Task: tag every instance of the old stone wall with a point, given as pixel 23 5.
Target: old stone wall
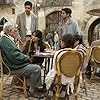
pixel 78 13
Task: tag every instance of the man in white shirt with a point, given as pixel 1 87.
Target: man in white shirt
pixel 27 22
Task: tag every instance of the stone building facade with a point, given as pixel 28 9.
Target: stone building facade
pixel 87 22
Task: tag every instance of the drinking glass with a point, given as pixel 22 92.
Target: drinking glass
pixel 37 50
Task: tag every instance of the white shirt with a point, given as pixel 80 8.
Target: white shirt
pixel 28 24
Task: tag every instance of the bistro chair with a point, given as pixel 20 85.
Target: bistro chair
pixel 68 65
pixel 86 60
pixel 4 78
pixel 88 54
pixel 95 59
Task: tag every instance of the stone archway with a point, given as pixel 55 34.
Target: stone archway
pixel 2 22
pixel 90 27
pixel 52 20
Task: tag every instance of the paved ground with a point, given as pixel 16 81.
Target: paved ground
pixel 93 89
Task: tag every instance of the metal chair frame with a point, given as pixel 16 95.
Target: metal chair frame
pixel 60 71
pixel 95 59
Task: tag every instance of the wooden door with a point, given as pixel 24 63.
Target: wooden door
pixel 52 20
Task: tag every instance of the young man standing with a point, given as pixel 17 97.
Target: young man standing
pixel 27 22
pixel 67 25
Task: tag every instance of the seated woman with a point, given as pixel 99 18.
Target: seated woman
pixel 66 43
pixel 30 47
pixel 78 44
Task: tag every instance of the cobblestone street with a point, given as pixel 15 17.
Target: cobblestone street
pixel 93 90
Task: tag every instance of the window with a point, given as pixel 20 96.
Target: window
pixel 3 2
pixel 54 3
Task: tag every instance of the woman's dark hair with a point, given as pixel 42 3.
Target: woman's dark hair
pixel 38 34
pixel 68 40
pixel 78 37
pixel 30 44
pixel 28 3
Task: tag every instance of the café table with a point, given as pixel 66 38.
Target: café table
pixel 47 65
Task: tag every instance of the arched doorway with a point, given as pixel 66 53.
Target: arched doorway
pixel 93 31
pixel 2 22
pixel 52 20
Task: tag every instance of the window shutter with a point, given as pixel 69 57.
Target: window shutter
pixel 3 2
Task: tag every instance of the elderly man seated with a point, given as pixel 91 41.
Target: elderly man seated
pixel 19 63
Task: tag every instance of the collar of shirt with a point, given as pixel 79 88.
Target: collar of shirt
pixel 10 37
pixel 69 21
pixel 28 15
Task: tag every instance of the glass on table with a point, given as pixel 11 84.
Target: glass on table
pixel 37 50
pixel 54 48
